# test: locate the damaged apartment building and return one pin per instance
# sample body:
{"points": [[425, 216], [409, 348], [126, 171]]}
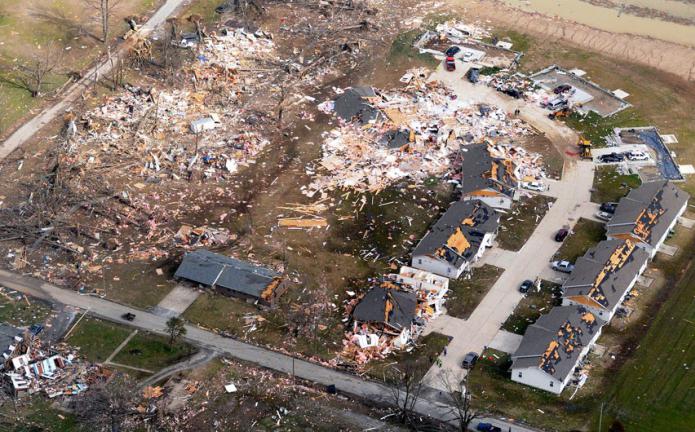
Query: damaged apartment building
{"points": [[457, 239], [604, 277], [232, 277], [647, 214], [553, 348]]}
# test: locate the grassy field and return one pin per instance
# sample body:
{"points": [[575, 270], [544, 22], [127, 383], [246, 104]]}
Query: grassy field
{"points": [[466, 294], [97, 339], [595, 128], [417, 361], [532, 306], [517, 226], [654, 389], [20, 313], [36, 414], [586, 234], [136, 284], [610, 186]]}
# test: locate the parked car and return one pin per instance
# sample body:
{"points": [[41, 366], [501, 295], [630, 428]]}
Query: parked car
{"points": [[534, 186], [608, 207], [452, 51], [562, 88], [637, 156], [128, 316], [470, 360], [525, 286], [487, 427], [473, 74], [563, 266], [604, 216], [557, 104], [468, 56], [612, 157], [516, 94], [450, 63], [561, 235]]}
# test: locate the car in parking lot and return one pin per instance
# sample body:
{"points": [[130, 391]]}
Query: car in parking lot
{"points": [[525, 286], [450, 63], [561, 235], [534, 186], [563, 266], [469, 360], [608, 207], [468, 56], [612, 157], [604, 216], [636, 155], [562, 88], [452, 51]]}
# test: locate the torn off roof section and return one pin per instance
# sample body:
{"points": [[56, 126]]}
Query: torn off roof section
{"points": [[388, 305], [481, 170], [647, 212]]}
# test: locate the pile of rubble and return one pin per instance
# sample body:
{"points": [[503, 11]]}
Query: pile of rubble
{"points": [[30, 367], [392, 314], [412, 133]]}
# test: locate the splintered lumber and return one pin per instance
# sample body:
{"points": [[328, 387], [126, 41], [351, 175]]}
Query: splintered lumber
{"points": [[302, 223]]}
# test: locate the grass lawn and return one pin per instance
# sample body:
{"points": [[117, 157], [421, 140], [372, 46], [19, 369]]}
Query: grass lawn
{"points": [[218, 312], [152, 352], [595, 128], [418, 361], [494, 392], [135, 283], [36, 414], [517, 226], [97, 339], [532, 306], [586, 234], [654, 389], [466, 294], [610, 186], [17, 312]]}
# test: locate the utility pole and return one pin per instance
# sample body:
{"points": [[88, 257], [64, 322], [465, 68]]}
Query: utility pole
{"points": [[600, 418]]}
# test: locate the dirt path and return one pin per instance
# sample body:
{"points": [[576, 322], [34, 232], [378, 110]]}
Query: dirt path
{"points": [[668, 57]]}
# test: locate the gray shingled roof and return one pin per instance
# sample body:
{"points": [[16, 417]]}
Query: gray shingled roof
{"points": [[660, 198], [485, 220], [372, 307], [476, 166], [353, 103], [616, 281], [567, 329], [208, 268]]}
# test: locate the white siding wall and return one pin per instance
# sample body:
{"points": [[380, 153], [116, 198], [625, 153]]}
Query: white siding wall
{"points": [[503, 202], [438, 267]]}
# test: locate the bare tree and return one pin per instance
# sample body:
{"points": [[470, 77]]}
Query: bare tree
{"points": [[32, 75], [406, 395], [176, 329], [108, 406], [459, 399], [105, 10], [197, 21]]}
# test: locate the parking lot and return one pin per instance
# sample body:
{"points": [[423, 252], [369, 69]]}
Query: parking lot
{"points": [[588, 95]]}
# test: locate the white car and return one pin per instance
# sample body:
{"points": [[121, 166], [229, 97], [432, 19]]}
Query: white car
{"points": [[468, 56], [562, 266], [534, 186], [637, 156], [604, 216]]}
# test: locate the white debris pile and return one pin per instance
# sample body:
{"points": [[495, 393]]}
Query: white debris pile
{"points": [[230, 50], [409, 133]]}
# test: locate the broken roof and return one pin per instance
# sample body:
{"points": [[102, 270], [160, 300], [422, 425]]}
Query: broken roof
{"points": [[605, 272], [208, 268], [386, 304], [355, 101], [457, 235], [646, 213], [556, 340], [480, 170]]}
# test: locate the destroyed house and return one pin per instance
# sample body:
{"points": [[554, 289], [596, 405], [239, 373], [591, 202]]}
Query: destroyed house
{"points": [[604, 276], [647, 214], [552, 349], [493, 180], [231, 276], [358, 102], [387, 307], [457, 239], [10, 339]]}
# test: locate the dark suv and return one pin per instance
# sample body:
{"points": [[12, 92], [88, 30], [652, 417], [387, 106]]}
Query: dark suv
{"points": [[561, 235], [469, 360], [608, 207]]}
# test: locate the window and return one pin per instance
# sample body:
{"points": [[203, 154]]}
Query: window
{"points": [[519, 374], [551, 383], [419, 261]]}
